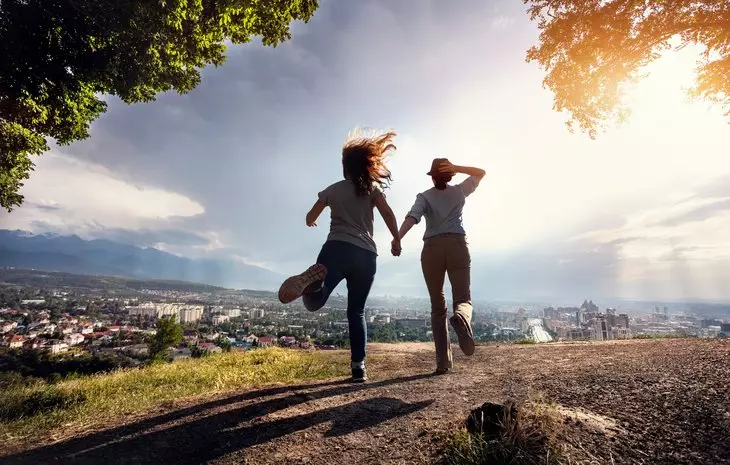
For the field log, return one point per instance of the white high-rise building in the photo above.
(257, 313)
(231, 312)
(142, 311)
(191, 313)
(219, 319)
(185, 313)
(168, 309)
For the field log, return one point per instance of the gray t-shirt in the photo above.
(443, 208)
(352, 215)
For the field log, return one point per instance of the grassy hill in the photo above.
(31, 409)
(617, 402)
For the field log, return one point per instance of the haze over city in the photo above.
(230, 169)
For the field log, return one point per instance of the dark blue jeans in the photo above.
(357, 266)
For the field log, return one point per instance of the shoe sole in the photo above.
(463, 334)
(294, 287)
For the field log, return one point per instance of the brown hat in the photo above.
(436, 164)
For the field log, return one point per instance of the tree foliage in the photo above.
(58, 57)
(591, 49)
(169, 334)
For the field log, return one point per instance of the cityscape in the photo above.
(65, 319)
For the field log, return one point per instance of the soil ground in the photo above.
(663, 401)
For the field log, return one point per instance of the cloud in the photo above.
(678, 248)
(67, 195)
(151, 238)
(238, 161)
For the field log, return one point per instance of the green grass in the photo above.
(29, 411)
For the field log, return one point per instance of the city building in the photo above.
(219, 319)
(7, 326)
(15, 342)
(57, 347)
(231, 312)
(191, 313)
(75, 339)
(257, 313)
(410, 323)
(265, 341)
(150, 312)
(383, 318)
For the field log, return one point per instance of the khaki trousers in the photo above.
(442, 254)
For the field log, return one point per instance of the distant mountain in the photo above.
(71, 254)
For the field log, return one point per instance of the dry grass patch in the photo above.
(29, 411)
(536, 433)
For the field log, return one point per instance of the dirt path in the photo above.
(669, 402)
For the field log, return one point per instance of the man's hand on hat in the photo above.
(446, 168)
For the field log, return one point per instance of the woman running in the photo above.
(445, 250)
(350, 252)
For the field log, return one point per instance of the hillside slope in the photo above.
(631, 402)
(71, 254)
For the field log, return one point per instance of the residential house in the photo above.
(58, 347)
(15, 342)
(86, 328)
(209, 347)
(288, 340)
(32, 344)
(137, 349)
(7, 326)
(250, 339)
(75, 339)
(177, 354)
(266, 341)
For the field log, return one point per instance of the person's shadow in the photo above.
(197, 440)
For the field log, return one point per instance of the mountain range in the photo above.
(72, 254)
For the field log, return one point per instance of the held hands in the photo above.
(395, 247)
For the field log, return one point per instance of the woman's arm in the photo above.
(314, 213)
(408, 223)
(389, 217)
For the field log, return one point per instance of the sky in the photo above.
(230, 169)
